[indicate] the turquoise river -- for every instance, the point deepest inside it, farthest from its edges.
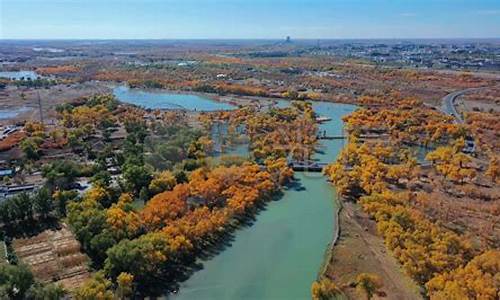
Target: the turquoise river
(279, 256)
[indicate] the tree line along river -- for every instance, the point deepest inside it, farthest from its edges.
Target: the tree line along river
(279, 256)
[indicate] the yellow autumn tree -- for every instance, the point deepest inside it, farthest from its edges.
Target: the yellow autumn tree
(324, 289)
(494, 169)
(163, 181)
(368, 284)
(125, 289)
(452, 163)
(98, 287)
(124, 221)
(479, 279)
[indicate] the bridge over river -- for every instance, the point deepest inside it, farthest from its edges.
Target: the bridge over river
(307, 166)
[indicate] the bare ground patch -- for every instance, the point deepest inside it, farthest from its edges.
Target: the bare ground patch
(360, 250)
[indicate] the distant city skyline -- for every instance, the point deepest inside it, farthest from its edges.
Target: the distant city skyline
(244, 19)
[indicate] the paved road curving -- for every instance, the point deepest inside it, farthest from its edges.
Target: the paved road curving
(448, 103)
(448, 107)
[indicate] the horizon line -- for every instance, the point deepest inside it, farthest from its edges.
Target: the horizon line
(247, 39)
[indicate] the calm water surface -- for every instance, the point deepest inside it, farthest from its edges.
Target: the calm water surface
(167, 100)
(9, 113)
(16, 75)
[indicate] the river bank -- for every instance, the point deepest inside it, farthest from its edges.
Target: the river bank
(359, 249)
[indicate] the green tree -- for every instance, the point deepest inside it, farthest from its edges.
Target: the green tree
(5, 212)
(61, 174)
(180, 176)
(100, 243)
(21, 207)
(149, 258)
(30, 147)
(43, 203)
(102, 178)
(137, 177)
(61, 198)
(15, 281)
(39, 291)
(87, 219)
(74, 140)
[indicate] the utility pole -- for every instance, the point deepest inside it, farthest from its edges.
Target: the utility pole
(40, 106)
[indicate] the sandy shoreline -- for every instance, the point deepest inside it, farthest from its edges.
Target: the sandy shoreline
(359, 249)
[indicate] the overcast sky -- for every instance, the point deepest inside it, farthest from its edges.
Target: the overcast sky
(188, 19)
